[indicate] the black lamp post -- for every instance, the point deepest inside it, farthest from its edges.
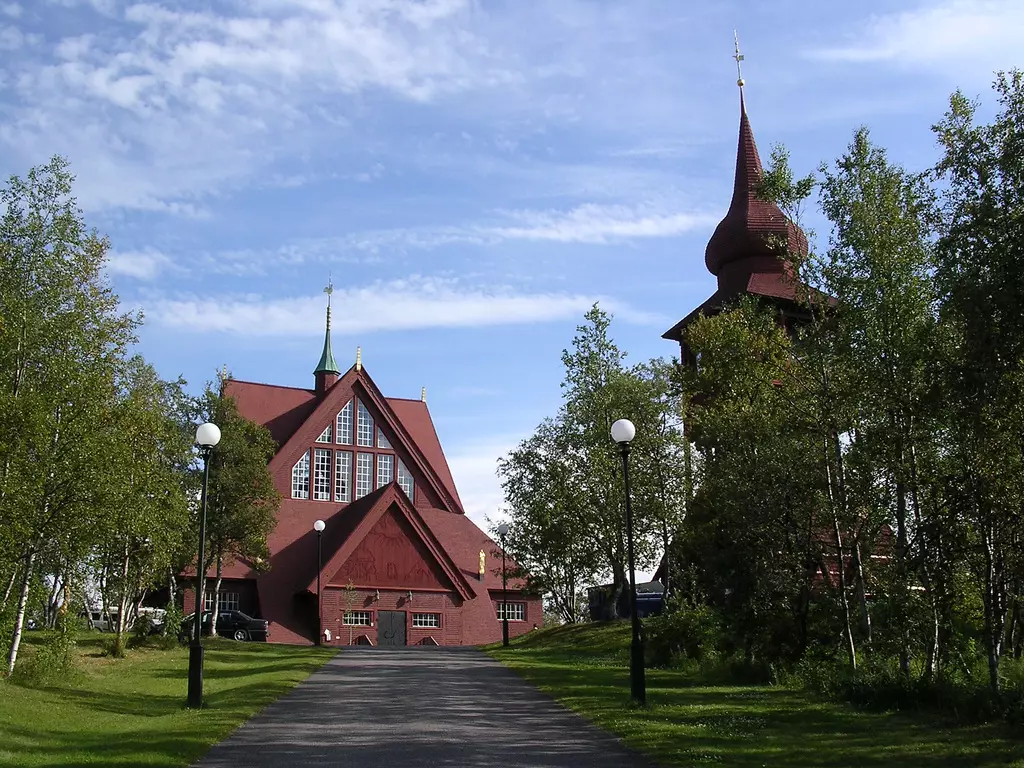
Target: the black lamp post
(207, 436)
(502, 530)
(319, 526)
(623, 433)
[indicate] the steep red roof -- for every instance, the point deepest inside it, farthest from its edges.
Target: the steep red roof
(415, 416)
(282, 410)
(751, 223)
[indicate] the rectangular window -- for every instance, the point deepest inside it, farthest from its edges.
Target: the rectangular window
(364, 430)
(385, 469)
(426, 619)
(364, 474)
(327, 436)
(343, 475)
(405, 479)
(382, 442)
(344, 424)
(357, 619)
(516, 611)
(226, 601)
(322, 474)
(300, 478)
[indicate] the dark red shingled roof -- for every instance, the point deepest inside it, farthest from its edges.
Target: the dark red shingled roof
(751, 223)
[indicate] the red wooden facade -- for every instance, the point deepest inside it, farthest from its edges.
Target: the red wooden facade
(402, 563)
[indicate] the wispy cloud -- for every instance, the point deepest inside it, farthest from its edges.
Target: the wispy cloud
(474, 466)
(142, 265)
(421, 302)
(978, 34)
(168, 104)
(600, 224)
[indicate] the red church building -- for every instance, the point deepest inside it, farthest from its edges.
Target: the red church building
(402, 563)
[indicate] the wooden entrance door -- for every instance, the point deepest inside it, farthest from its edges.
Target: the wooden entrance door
(390, 628)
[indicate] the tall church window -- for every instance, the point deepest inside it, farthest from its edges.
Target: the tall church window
(344, 430)
(327, 436)
(382, 441)
(322, 474)
(364, 434)
(364, 474)
(300, 478)
(343, 475)
(405, 479)
(385, 469)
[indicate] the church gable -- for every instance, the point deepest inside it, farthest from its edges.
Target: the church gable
(353, 444)
(392, 555)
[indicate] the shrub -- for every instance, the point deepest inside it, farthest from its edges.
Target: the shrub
(55, 661)
(683, 632)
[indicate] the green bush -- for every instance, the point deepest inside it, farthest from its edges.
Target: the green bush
(54, 661)
(683, 632)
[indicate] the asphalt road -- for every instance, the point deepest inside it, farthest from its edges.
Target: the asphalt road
(413, 707)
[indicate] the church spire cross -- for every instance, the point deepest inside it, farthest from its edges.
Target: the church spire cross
(739, 58)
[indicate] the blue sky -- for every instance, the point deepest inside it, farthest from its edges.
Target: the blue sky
(473, 173)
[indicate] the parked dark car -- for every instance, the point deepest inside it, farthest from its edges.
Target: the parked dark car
(235, 624)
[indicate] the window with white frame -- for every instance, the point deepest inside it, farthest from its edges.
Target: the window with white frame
(426, 620)
(327, 436)
(300, 478)
(364, 430)
(385, 469)
(343, 475)
(343, 432)
(322, 474)
(226, 601)
(514, 611)
(357, 619)
(364, 474)
(382, 441)
(405, 479)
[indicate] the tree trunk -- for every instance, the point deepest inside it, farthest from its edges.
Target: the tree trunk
(122, 607)
(10, 587)
(216, 595)
(833, 492)
(861, 589)
(19, 621)
(994, 605)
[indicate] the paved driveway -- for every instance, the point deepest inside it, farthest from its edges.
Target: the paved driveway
(429, 707)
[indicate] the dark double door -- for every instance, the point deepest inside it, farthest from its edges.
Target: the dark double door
(390, 628)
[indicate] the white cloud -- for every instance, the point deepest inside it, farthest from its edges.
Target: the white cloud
(474, 467)
(600, 224)
(980, 34)
(420, 302)
(11, 9)
(142, 265)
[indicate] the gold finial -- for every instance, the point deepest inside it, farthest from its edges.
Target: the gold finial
(423, 394)
(359, 358)
(483, 564)
(739, 57)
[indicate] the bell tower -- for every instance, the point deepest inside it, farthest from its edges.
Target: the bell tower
(326, 373)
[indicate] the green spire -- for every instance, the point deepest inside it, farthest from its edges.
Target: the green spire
(327, 363)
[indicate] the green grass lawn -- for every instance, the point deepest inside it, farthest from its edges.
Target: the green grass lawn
(687, 724)
(130, 712)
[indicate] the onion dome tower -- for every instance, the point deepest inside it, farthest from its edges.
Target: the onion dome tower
(745, 252)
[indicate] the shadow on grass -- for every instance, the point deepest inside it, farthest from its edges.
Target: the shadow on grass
(688, 722)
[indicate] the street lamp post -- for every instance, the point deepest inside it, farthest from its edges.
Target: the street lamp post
(319, 526)
(502, 530)
(207, 436)
(623, 433)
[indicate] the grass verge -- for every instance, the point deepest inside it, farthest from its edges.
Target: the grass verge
(130, 712)
(687, 723)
